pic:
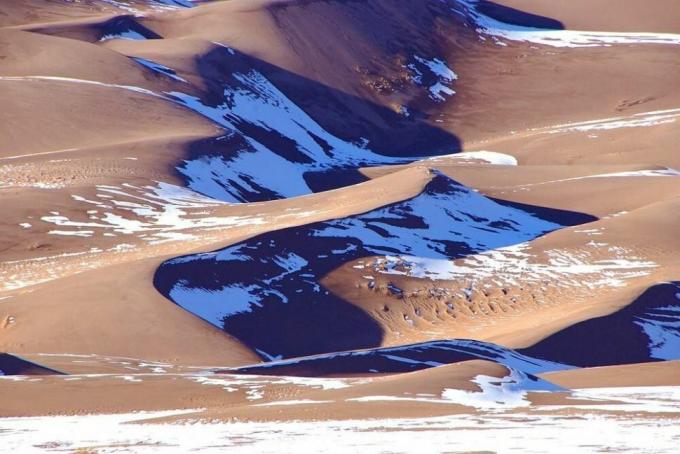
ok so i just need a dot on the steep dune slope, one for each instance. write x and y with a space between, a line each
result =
271 283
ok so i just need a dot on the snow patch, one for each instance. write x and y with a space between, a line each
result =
440 72
487 26
662 327
503 393
488 157
127 34
515 265
589 431
157 67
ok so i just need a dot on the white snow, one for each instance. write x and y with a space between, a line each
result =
495 393
638 173
489 157
125 6
255 385
83 233
155 213
77 81
667 172
662 327
438 90
515 265
521 430
223 179
456 213
157 67
638 120
442 73
214 305
127 34
503 393
439 68
648 399
499 31
258 102
154 5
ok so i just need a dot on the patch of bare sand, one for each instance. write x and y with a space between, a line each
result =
121 310
665 373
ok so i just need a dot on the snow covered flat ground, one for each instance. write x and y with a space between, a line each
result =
647 414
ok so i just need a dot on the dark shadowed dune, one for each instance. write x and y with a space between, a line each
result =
15 365
648 329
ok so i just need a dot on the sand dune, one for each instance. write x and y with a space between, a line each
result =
421 215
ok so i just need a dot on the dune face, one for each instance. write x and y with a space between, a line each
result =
274 280
274 224
645 330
